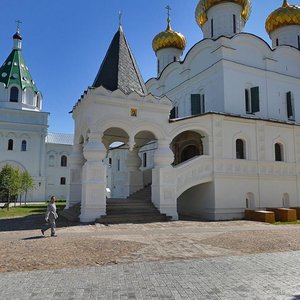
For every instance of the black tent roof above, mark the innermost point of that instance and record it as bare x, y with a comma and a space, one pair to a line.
119, 69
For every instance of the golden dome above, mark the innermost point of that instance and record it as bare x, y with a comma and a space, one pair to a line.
204, 5
169, 39
285, 15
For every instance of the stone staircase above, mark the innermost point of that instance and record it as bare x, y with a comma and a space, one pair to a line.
137, 208
72, 213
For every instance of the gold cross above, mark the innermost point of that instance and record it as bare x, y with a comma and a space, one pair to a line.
168, 8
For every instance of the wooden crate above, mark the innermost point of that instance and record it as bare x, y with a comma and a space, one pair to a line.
260, 215
284, 214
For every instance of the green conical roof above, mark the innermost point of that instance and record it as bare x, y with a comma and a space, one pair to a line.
14, 71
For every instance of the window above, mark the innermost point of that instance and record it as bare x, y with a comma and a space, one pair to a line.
24, 145
298, 38
290, 106
234, 23
63, 161
240, 149
197, 104
174, 112
212, 27
144, 159
252, 100
118, 165
51, 161
110, 161
10, 145
62, 180
174, 58
278, 152
37, 101
277, 42
14, 94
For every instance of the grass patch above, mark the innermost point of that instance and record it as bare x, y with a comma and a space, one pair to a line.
28, 210
287, 223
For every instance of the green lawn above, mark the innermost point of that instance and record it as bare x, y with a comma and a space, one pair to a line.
287, 223
27, 210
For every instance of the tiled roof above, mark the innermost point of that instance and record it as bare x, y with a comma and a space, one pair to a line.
59, 138
119, 69
15, 71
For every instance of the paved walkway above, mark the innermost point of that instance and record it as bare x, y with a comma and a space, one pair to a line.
261, 276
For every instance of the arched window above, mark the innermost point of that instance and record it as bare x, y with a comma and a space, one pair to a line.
10, 145
24, 145
62, 180
14, 94
278, 152
63, 161
51, 161
240, 149
144, 159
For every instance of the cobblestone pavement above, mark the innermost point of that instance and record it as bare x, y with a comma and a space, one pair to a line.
260, 276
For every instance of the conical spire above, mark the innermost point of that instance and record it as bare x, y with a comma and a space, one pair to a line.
14, 70
119, 69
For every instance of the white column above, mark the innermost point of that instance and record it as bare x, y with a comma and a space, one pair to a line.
93, 201
164, 180
76, 161
135, 176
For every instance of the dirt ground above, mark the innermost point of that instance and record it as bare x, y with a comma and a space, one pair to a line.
94, 245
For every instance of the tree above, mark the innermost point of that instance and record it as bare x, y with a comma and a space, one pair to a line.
10, 182
27, 184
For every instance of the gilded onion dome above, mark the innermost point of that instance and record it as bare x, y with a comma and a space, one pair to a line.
169, 39
204, 5
285, 15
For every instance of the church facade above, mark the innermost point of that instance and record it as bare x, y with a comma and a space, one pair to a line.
214, 133
24, 139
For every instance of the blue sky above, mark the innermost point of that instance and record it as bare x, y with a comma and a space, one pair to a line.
64, 41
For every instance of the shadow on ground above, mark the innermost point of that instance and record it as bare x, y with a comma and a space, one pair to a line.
31, 222
296, 297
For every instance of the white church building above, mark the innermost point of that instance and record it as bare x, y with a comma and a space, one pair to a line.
215, 132
24, 139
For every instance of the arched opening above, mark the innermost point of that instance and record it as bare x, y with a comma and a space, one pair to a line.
240, 149
286, 200
116, 141
278, 148
14, 94
250, 201
187, 145
63, 161
10, 145
24, 146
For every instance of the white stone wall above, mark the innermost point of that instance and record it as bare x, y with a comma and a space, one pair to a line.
54, 171
287, 35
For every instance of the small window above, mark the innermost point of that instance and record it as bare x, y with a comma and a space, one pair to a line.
144, 159
234, 23
174, 112
118, 165
37, 101
14, 94
197, 104
298, 38
63, 161
290, 106
212, 27
62, 180
252, 100
24, 145
277, 42
10, 145
174, 58
240, 149
278, 152
110, 161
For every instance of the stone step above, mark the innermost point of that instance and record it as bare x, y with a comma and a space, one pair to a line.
132, 218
